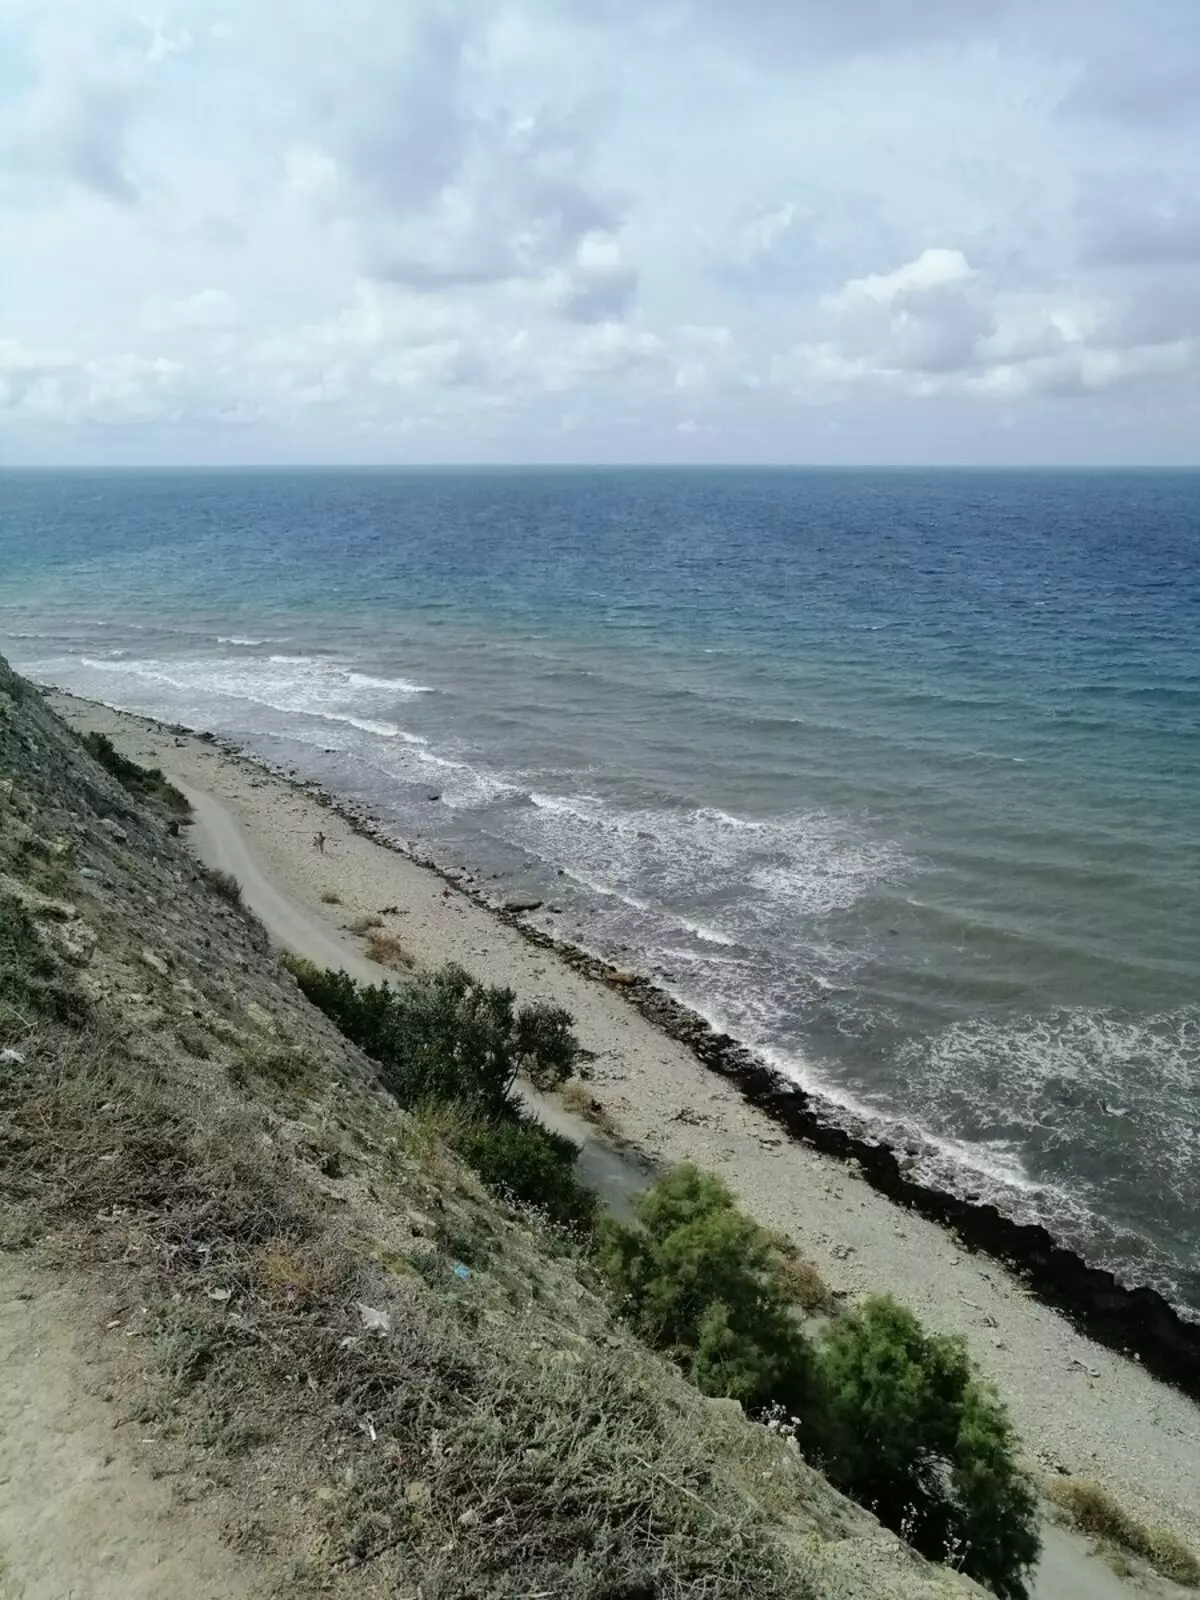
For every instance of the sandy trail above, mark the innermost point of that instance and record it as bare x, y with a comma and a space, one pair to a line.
81, 1513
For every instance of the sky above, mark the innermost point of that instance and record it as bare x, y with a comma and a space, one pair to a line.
699, 231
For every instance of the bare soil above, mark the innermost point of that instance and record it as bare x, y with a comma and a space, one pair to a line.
84, 1508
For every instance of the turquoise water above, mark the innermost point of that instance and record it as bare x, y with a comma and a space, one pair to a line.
896, 775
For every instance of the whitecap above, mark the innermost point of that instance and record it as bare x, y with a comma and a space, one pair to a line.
364, 680
384, 730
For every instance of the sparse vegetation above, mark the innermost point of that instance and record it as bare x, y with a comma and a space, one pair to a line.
147, 783
331, 897
445, 1040
365, 924
36, 984
1094, 1511
224, 884
389, 952
578, 1098
472, 1452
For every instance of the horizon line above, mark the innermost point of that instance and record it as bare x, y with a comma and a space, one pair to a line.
600, 466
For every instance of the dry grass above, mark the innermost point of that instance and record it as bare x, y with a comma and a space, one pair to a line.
225, 884
481, 1457
1094, 1511
803, 1280
35, 982
427, 1133
331, 897
389, 952
807, 1287
367, 923
577, 1098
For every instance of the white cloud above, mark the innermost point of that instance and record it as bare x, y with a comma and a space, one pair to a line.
58, 388
517, 220
910, 285
598, 284
937, 326
72, 123
311, 176
204, 311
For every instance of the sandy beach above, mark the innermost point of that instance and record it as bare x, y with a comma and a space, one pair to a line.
1079, 1407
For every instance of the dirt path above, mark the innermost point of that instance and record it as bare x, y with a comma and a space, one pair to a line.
82, 1516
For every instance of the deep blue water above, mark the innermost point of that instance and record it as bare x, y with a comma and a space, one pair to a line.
894, 774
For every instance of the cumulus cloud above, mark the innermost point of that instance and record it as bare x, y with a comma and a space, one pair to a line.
85, 84
928, 316
60, 388
618, 223
598, 284
937, 326
443, 185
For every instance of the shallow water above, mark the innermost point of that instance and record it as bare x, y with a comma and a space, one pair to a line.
895, 775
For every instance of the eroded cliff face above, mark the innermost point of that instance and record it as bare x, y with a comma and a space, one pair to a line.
371, 1375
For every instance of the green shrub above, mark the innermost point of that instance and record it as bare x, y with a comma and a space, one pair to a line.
526, 1163
700, 1280
444, 1040
918, 1438
148, 783
444, 1036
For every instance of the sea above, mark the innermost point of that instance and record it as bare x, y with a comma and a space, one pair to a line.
893, 775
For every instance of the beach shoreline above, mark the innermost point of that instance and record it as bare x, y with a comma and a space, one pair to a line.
680, 1090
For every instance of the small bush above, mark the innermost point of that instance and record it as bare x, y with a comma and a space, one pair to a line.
528, 1164
389, 952
148, 783
331, 897
1094, 1511
364, 924
224, 884
802, 1281
919, 1439
700, 1280
578, 1099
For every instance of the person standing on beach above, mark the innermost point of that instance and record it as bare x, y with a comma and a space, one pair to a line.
319, 841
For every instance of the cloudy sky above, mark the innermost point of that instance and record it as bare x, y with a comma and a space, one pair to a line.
600, 230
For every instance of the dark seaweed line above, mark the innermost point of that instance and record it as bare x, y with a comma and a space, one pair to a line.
1135, 1322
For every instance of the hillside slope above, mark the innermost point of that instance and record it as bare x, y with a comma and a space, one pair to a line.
354, 1368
